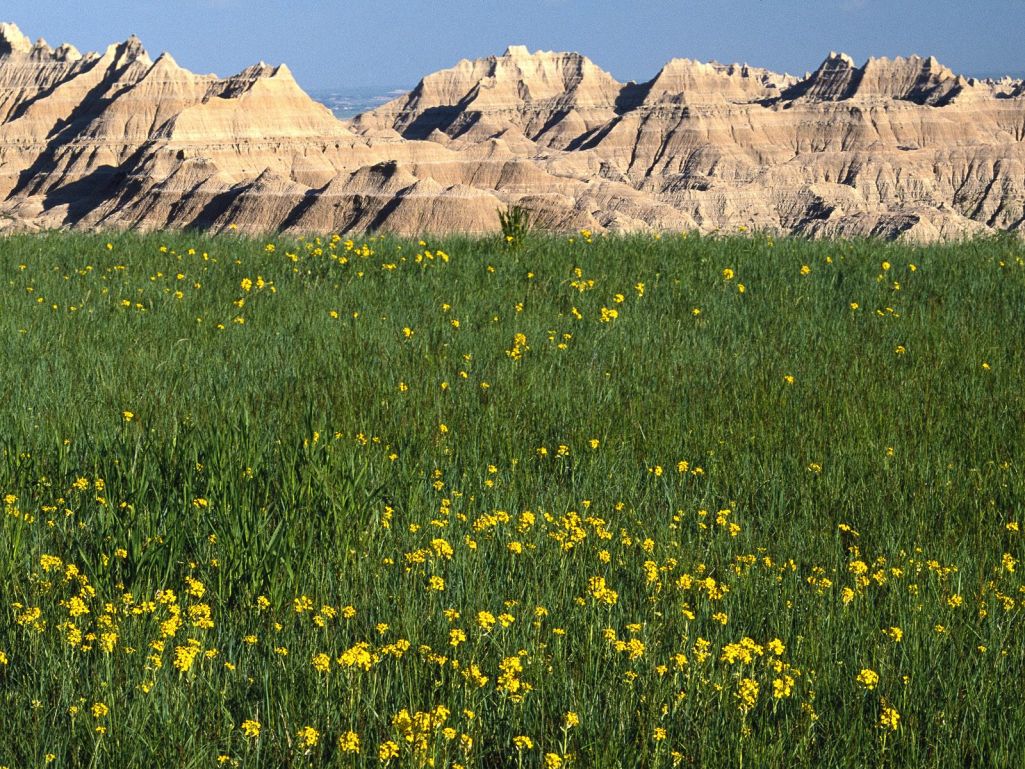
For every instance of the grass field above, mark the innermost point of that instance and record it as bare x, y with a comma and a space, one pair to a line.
590, 502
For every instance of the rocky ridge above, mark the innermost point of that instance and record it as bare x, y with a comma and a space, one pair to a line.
896, 147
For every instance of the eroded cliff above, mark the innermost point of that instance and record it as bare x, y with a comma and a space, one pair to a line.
896, 148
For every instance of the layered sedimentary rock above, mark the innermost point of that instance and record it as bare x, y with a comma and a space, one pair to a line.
900, 147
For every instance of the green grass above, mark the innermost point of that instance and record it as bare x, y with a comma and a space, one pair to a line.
859, 424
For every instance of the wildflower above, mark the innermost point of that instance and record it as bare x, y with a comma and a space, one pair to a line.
868, 678
194, 587
519, 347
348, 742
358, 656
600, 592
889, 718
456, 637
307, 737
442, 548
387, 751
128, 416
250, 728
571, 719
782, 687
746, 694
522, 742
99, 710
473, 675
185, 656
435, 584
553, 761
659, 734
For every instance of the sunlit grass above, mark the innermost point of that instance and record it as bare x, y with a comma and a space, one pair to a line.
588, 502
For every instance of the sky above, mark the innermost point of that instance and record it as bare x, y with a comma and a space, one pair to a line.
338, 44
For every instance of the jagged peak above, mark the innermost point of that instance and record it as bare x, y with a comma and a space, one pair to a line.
542, 70
165, 68
12, 40
537, 75
67, 52
128, 52
254, 71
166, 60
914, 78
913, 64
282, 72
517, 51
133, 47
523, 52
923, 80
14, 43
837, 59
41, 51
684, 65
690, 81
251, 76
519, 56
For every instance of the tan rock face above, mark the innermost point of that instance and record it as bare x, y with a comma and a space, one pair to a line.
895, 148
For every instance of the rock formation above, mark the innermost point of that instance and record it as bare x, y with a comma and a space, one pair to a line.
894, 148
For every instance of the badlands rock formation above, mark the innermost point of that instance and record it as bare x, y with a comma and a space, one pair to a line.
896, 148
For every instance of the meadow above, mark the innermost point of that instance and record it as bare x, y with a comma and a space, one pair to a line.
587, 502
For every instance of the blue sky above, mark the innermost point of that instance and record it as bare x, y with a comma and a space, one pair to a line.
354, 43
